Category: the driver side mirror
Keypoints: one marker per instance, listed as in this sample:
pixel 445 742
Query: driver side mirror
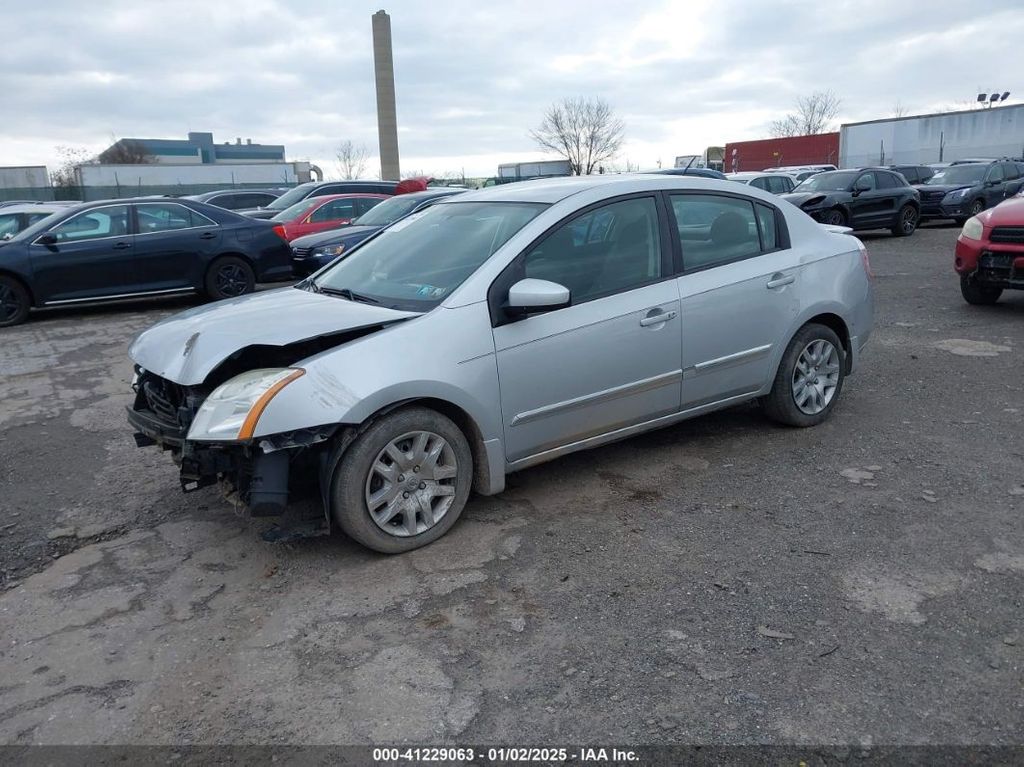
pixel 532 295
pixel 862 185
pixel 46 239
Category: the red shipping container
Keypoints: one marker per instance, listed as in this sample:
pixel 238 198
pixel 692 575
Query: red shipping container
pixel 821 148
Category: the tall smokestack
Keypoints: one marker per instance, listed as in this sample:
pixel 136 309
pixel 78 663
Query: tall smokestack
pixel 387 117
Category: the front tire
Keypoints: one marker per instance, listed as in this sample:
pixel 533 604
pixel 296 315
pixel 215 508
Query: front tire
pixel 835 217
pixel 809 379
pixel 906 222
pixel 14 302
pixel 229 277
pixel 404 482
pixel 978 295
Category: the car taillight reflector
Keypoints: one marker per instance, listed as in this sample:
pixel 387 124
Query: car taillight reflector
pixel 279 231
pixel 866 262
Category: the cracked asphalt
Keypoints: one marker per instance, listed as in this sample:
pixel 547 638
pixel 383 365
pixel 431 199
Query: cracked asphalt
pixel 721 581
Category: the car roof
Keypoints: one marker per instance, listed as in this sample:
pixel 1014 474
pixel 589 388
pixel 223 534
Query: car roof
pixel 552 190
pixel 34 207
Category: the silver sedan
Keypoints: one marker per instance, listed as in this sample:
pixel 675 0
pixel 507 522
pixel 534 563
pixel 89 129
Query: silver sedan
pixel 497 330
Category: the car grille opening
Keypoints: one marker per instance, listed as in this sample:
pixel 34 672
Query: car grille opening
pixel 1013 235
pixel 301 252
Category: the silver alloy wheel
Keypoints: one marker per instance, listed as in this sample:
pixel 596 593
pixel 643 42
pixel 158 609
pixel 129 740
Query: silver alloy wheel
pixel 411 483
pixel 909 221
pixel 815 376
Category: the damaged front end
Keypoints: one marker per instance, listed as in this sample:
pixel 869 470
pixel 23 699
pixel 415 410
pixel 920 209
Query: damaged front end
pixel 203 379
pixel 259 474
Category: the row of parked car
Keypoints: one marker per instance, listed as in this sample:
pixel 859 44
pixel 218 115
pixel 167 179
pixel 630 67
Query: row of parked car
pixel 60 253
pixel 895 197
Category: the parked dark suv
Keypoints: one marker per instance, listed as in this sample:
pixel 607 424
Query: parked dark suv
pixel 114 249
pixel 965 189
pixel 914 174
pixel 860 198
pixel 318 189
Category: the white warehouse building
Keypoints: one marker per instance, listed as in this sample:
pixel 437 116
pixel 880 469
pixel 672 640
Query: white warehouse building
pixel 996 132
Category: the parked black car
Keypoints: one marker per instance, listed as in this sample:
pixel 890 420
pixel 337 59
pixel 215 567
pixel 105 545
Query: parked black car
pixel 914 174
pixel 238 199
pixel 860 198
pixel 116 249
pixel 965 189
pixel 314 251
pixel 317 189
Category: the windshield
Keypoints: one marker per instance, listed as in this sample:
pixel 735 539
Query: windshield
pixel 290 197
pixel 835 181
pixel 959 174
pixel 298 210
pixel 417 262
pixel 388 211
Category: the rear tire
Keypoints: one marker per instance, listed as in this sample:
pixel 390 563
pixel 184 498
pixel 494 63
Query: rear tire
pixel 978 295
pixel 906 222
pixel 809 379
pixel 14 302
pixel 229 277
pixel 393 493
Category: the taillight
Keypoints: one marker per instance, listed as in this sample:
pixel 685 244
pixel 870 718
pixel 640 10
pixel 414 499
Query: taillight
pixel 866 261
pixel 279 231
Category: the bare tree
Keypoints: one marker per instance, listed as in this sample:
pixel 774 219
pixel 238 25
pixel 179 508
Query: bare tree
pixel 352 159
pixel 126 152
pixel 584 131
pixel 70 158
pixel 898 110
pixel 814 114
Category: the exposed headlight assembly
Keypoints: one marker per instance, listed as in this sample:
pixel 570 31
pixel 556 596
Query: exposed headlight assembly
pixel 329 251
pixel 956 195
pixel 973 228
pixel 231 412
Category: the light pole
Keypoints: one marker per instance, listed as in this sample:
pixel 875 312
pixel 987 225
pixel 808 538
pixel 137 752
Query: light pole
pixel 987 100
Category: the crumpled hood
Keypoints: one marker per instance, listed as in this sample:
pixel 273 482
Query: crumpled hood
pixel 185 348
pixel 800 198
pixel 334 236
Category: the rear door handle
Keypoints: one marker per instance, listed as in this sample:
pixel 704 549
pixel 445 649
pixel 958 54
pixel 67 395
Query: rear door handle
pixel 778 280
pixel 207 236
pixel 121 245
pixel 657 319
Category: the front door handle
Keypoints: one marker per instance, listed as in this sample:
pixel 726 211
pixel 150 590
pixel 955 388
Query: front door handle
pixel 657 319
pixel 778 280
pixel 121 245
pixel 207 236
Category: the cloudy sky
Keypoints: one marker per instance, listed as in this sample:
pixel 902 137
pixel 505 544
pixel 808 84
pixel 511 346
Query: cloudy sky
pixel 474 77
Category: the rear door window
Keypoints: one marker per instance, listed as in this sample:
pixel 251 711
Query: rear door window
pixel 715 230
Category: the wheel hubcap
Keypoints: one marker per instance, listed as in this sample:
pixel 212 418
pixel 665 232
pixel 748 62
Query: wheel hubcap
pixel 411 484
pixel 8 303
pixel 231 280
pixel 816 377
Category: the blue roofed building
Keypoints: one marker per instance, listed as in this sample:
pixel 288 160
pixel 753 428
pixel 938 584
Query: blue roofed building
pixel 198 149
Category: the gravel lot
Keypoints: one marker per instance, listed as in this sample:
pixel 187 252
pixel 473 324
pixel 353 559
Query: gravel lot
pixel 721 581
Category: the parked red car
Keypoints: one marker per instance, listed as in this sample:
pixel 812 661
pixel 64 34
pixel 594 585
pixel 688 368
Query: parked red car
pixel 317 214
pixel 990 252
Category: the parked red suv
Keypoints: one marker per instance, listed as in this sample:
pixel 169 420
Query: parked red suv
pixel 990 253
pixel 317 214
